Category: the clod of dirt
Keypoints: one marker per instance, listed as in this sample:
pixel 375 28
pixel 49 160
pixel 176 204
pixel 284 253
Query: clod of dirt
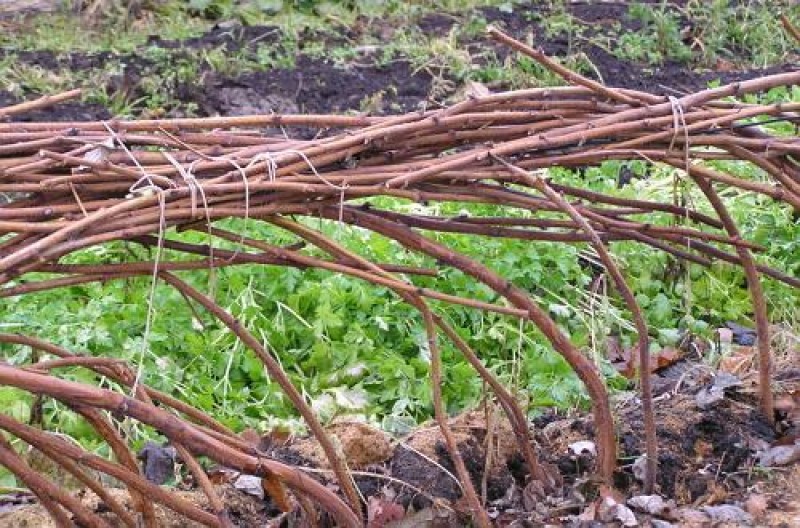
pixel 158 462
pixel 412 460
pixel 742 335
pixel 33 516
pixel 68 111
pixel 418 471
pixel 360 443
pixel 238 101
pixel 318 86
pixel 475 425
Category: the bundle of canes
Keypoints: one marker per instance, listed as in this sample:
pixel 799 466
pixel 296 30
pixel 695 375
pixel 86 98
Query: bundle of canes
pixel 72 186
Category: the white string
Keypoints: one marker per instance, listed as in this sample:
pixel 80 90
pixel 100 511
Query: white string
pixel 143 186
pixel 188 176
pixel 341 188
pixel 191 183
pixel 680 118
pixel 679 123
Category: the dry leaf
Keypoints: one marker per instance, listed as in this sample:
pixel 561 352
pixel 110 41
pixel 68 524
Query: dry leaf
pixel 249 484
pixel 628 366
pixel 609 492
pixel 781 455
pixel 589 513
pixel 221 475
pixel 739 361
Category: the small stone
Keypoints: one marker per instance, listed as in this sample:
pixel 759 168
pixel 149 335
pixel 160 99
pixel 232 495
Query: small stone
pixel 728 513
pixel 609 511
pixel 249 484
pixel 158 462
pixel 652 505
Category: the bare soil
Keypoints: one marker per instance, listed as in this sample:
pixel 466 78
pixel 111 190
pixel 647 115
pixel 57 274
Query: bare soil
pixel 707 459
pixel 317 85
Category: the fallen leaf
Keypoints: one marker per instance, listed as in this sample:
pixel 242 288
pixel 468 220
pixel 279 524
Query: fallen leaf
pixel 658 523
pixel 609 492
pixel 666 357
pixel 221 475
pixel 725 380
pixel 250 436
pixel 434 516
pixel 628 366
pixel 589 513
pixel 694 518
pixel 639 468
pixel 274 438
pixel 723 65
pixel 614 350
pixel 476 89
pixel 739 361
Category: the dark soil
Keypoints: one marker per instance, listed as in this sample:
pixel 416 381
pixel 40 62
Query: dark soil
pixel 706 457
pixel 666 78
pixel 318 86
pixel 70 111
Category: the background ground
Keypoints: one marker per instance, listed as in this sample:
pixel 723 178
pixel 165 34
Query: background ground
pixel 354 349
